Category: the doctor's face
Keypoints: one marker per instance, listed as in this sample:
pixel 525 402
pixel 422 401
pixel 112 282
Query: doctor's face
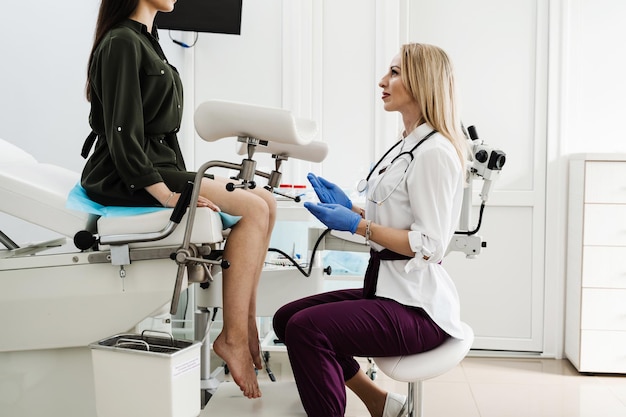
pixel 395 96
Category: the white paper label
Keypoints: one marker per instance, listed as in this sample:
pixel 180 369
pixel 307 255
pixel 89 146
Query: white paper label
pixel 183 368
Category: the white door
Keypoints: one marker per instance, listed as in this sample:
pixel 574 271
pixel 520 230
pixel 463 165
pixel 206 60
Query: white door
pixel 334 53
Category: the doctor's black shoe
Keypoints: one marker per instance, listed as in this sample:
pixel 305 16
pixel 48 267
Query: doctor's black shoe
pixel 395 405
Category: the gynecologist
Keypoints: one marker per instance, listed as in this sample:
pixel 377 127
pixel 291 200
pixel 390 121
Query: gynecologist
pixel 408 304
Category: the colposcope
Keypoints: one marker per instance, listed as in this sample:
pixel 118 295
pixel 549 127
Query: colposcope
pixel 487 165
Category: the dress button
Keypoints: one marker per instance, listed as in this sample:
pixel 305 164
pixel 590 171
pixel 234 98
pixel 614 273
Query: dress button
pixel 119 128
pixel 132 186
pixel 162 72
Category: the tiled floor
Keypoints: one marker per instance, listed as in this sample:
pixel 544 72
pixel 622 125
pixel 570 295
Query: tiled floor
pixel 502 387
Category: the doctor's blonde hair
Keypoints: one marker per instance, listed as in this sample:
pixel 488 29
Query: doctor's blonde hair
pixel 428 76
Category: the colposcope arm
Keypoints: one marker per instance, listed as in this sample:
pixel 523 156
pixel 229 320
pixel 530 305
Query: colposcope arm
pixel 464 240
pixel 486 164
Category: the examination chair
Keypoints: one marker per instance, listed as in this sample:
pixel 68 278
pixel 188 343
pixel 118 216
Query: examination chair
pixel 103 274
pixel 64 297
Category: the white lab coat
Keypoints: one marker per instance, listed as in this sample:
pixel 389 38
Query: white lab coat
pixel 428 203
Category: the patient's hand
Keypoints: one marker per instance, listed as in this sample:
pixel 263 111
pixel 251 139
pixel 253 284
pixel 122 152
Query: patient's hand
pixel 205 202
pixel 202 202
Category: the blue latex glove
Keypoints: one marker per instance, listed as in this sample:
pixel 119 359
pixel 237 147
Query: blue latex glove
pixel 334 216
pixel 328 192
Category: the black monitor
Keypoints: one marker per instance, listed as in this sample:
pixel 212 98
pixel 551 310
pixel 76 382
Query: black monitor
pixel 215 16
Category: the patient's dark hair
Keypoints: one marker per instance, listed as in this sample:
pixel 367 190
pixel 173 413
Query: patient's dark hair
pixel 111 13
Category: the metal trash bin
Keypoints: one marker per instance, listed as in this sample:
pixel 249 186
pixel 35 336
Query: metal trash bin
pixel 144 375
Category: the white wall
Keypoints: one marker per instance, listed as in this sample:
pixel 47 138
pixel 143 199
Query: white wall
pixel 595 86
pixel 45 49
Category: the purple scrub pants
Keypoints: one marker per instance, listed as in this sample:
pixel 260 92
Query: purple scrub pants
pixel 324 332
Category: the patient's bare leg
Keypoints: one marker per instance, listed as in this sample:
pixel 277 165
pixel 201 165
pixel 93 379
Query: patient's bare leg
pixel 253 333
pixel 245 250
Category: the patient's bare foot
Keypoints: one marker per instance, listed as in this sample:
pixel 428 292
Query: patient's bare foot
pixel 253 344
pixel 237 357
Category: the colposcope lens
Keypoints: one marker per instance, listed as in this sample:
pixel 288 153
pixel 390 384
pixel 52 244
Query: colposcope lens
pixel 497 160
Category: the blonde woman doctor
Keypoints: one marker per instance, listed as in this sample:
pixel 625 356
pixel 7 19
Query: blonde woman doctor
pixel 408 303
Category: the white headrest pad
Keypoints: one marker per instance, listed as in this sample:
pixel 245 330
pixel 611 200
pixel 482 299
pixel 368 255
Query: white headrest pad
pixel 37 192
pixel 216 119
pixel 11 154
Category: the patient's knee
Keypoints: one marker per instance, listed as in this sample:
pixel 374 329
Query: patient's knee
pixel 271 205
pixel 269 199
pixel 258 211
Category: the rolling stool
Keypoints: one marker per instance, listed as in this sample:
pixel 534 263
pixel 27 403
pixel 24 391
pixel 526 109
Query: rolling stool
pixel 417 368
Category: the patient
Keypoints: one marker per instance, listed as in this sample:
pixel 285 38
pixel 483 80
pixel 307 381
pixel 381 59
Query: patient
pixel 136 108
pixel 408 303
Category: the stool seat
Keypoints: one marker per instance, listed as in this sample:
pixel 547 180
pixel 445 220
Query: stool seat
pixel 416 368
pixel 426 365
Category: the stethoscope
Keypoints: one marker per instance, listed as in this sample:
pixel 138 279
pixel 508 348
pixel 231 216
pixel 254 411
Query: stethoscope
pixel 363 184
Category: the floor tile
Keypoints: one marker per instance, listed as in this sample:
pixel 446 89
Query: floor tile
pixel 498 387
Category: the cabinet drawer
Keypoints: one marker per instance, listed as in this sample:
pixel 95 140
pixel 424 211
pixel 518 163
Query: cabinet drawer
pixel 605 224
pixel 605 182
pixel 603 351
pixel 604 266
pixel 603 309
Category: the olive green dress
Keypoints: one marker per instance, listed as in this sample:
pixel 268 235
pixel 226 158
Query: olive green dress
pixel 136 111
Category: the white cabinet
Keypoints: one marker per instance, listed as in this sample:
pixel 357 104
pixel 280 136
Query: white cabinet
pixel 595 319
